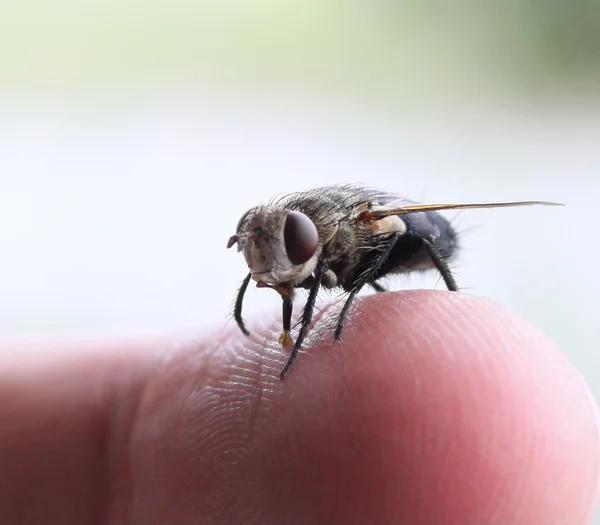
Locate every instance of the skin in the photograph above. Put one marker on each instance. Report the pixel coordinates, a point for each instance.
(437, 408)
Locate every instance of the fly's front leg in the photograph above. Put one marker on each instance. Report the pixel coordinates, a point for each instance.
(239, 301)
(285, 339)
(286, 290)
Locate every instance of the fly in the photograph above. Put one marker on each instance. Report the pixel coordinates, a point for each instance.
(342, 236)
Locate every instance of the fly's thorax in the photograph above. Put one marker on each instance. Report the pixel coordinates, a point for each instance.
(343, 241)
(351, 236)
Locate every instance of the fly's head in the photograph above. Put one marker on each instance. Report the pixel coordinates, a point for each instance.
(279, 245)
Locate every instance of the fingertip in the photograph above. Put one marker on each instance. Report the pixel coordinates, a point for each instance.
(467, 399)
(487, 408)
(434, 408)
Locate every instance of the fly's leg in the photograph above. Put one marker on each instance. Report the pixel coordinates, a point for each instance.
(239, 300)
(286, 290)
(287, 308)
(306, 318)
(363, 279)
(441, 266)
(377, 287)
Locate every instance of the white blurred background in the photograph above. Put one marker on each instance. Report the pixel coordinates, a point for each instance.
(134, 134)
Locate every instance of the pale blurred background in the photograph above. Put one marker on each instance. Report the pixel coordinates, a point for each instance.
(134, 134)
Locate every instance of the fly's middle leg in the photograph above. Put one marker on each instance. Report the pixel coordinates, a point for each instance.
(365, 277)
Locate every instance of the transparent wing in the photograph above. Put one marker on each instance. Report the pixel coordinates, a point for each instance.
(420, 208)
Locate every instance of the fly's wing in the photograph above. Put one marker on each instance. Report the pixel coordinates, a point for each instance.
(405, 207)
(393, 202)
(387, 217)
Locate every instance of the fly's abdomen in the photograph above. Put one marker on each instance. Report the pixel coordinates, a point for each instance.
(446, 241)
(434, 228)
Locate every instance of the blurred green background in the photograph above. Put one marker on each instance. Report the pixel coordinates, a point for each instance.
(134, 134)
(405, 46)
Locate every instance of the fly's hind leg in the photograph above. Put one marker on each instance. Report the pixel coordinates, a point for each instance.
(378, 287)
(441, 265)
(363, 279)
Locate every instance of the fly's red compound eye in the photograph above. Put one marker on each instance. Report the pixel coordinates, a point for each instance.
(300, 236)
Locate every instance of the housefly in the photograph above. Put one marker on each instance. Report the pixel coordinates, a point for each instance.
(341, 236)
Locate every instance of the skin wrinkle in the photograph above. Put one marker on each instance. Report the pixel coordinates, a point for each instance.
(415, 340)
(516, 491)
(586, 406)
(566, 387)
(324, 377)
(508, 494)
(253, 381)
(248, 365)
(123, 414)
(330, 353)
(346, 438)
(362, 339)
(150, 413)
(511, 493)
(227, 356)
(398, 308)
